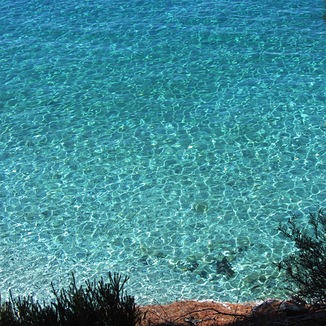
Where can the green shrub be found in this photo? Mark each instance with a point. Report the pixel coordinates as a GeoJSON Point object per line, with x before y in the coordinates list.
{"type": "Point", "coordinates": [306, 267]}
{"type": "Point", "coordinates": [94, 304]}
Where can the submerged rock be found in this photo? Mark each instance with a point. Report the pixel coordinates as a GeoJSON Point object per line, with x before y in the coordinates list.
{"type": "Point", "coordinates": [200, 207]}
{"type": "Point", "coordinates": [224, 267]}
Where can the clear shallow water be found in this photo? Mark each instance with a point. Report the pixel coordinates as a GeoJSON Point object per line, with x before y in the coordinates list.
{"type": "Point", "coordinates": [154, 139]}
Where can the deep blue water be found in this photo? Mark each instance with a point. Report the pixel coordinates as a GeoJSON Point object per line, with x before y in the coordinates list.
{"type": "Point", "coordinates": [155, 138]}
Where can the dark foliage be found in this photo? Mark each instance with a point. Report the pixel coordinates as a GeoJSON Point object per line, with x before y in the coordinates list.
{"type": "Point", "coordinates": [94, 304]}
{"type": "Point", "coordinates": [307, 266]}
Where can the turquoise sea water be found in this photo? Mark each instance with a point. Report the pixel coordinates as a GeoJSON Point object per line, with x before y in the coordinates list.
{"type": "Point", "coordinates": [154, 139]}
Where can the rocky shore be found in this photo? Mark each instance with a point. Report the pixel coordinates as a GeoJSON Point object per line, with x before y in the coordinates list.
{"type": "Point", "coordinates": [209, 313]}
{"type": "Point", "coordinates": [203, 313]}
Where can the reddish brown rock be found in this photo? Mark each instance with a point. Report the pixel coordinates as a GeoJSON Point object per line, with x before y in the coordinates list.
{"type": "Point", "coordinates": [195, 313]}
{"type": "Point", "coordinates": [208, 313]}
